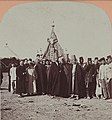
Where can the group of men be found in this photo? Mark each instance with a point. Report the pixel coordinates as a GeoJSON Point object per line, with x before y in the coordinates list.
{"type": "Point", "coordinates": [66, 78]}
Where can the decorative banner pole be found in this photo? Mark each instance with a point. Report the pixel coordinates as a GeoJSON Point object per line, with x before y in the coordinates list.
{"type": "Point", "coordinates": [54, 50]}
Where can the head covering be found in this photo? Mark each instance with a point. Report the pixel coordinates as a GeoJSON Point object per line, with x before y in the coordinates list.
{"type": "Point", "coordinates": [81, 58]}
{"type": "Point", "coordinates": [102, 59]}
{"type": "Point", "coordinates": [96, 58]}
{"type": "Point", "coordinates": [89, 59]}
{"type": "Point", "coordinates": [109, 56]}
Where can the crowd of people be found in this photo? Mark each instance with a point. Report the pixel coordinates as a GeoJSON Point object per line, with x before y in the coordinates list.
{"type": "Point", "coordinates": [70, 78]}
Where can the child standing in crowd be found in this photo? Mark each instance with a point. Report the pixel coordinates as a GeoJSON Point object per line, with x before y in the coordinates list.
{"type": "Point", "coordinates": [13, 78]}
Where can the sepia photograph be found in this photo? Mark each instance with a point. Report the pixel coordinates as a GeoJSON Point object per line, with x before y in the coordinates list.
{"type": "Point", "coordinates": [55, 60]}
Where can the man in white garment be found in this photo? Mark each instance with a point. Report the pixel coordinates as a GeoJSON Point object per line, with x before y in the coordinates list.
{"type": "Point", "coordinates": [104, 79]}
{"type": "Point", "coordinates": [109, 74]}
{"type": "Point", "coordinates": [73, 61]}
{"type": "Point", "coordinates": [13, 78]}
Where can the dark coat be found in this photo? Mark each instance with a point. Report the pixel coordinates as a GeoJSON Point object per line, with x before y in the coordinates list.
{"type": "Point", "coordinates": [79, 84]}
{"type": "Point", "coordinates": [58, 80]}
{"type": "Point", "coordinates": [20, 82]}
{"type": "Point", "coordinates": [41, 81]}
{"type": "Point", "coordinates": [1, 78]}
{"type": "Point", "coordinates": [68, 73]}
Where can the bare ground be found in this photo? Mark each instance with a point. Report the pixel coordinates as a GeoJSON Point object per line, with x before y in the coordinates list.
{"type": "Point", "coordinates": [45, 108]}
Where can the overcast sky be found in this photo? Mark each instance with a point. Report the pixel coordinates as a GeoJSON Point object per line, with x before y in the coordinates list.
{"type": "Point", "coordinates": [84, 29]}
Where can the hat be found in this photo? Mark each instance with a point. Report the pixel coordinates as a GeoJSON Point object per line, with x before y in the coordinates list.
{"type": "Point", "coordinates": [81, 58]}
{"type": "Point", "coordinates": [89, 59]}
{"type": "Point", "coordinates": [109, 56]}
{"type": "Point", "coordinates": [102, 59]}
{"type": "Point", "coordinates": [96, 58]}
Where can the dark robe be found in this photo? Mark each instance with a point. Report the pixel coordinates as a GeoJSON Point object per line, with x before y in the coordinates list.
{"type": "Point", "coordinates": [63, 82]}
{"type": "Point", "coordinates": [9, 86]}
{"type": "Point", "coordinates": [48, 82]}
{"type": "Point", "coordinates": [58, 80]}
{"type": "Point", "coordinates": [68, 73]}
{"type": "Point", "coordinates": [89, 79]}
{"type": "Point", "coordinates": [110, 88]}
{"type": "Point", "coordinates": [26, 81]}
{"type": "Point", "coordinates": [53, 85]}
{"type": "Point", "coordinates": [82, 82]}
{"type": "Point", "coordinates": [79, 86]}
{"type": "Point", "coordinates": [20, 82]}
{"type": "Point", "coordinates": [44, 79]}
{"type": "Point", "coordinates": [1, 78]}
{"type": "Point", "coordinates": [41, 81]}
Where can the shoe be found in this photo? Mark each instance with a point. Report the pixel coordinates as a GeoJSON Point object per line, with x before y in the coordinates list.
{"type": "Point", "coordinates": [52, 97]}
{"type": "Point", "coordinates": [20, 96]}
{"type": "Point", "coordinates": [72, 96]}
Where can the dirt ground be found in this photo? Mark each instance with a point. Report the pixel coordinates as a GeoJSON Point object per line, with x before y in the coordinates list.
{"type": "Point", "coordinates": [45, 108]}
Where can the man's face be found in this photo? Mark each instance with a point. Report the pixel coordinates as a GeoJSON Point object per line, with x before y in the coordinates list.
{"type": "Point", "coordinates": [12, 65]}
{"type": "Point", "coordinates": [26, 62]}
{"type": "Point", "coordinates": [103, 62]}
{"type": "Point", "coordinates": [95, 61]}
{"type": "Point", "coordinates": [37, 60]}
{"type": "Point", "coordinates": [81, 61]}
{"type": "Point", "coordinates": [109, 60]}
{"type": "Point", "coordinates": [43, 62]}
{"type": "Point", "coordinates": [21, 63]}
{"type": "Point", "coordinates": [89, 62]}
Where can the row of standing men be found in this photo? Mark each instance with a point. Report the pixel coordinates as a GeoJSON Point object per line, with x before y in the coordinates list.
{"type": "Point", "coordinates": [63, 78]}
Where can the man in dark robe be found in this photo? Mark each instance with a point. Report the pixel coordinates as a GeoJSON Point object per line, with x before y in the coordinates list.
{"type": "Point", "coordinates": [26, 65]}
{"type": "Point", "coordinates": [20, 83]}
{"type": "Point", "coordinates": [58, 79]}
{"type": "Point", "coordinates": [41, 80]}
{"type": "Point", "coordinates": [48, 66]}
{"type": "Point", "coordinates": [68, 72]}
{"type": "Point", "coordinates": [95, 75]}
{"type": "Point", "coordinates": [82, 83]}
{"type": "Point", "coordinates": [77, 90]}
{"type": "Point", "coordinates": [44, 83]}
{"type": "Point", "coordinates": [9, 86]}
{"type": "Point", "coordinates": [1, 78]}
{"type": "Point", "coordinates": [89, 69]}
{"type": "Point", "coordinates": [54, 81]}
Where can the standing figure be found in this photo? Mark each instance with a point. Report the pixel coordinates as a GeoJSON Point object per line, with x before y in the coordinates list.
{"type": "Point", "coordinates": [76, 79]}
{"type": "Point", "coordinates": [83, 88]}
{"type": "Point", "coordinates": [63, 79]}
{"type": "Point", "coordinates": [1, 74]}
{"type": "Point", "coordinates": [47, 73]}
{"type": "Point", "coordinates": [41, 80]}
{"type": "Point", "coordinates": [89, 69]}
{"type": "Point", "coordinates": [20, 82]}
{"type": "Point", "coordinates": [54, 81]}
{"type": "Point", "coordinates": [104, 80]}
{"type": "Point", "coordinates": [26, 64]}
{"type": "Point", "coordinates": [95, 75]}
{"type": "Point", "coordinates": [109, 74]}
{"type": "Point", "coordinates": [13, 78]}
{"type": "Point", "coordinates": [58, 79]}
{"type": "Point", "coordinates": [31, 77]}
{"type": "Point", "coordinates": [68, 72]}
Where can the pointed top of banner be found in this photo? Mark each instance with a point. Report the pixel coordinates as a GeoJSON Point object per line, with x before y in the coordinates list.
{"type": "Point", "coordinates": [53, 35]}
{"type": "Point", "coordinates": [53, 25]}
